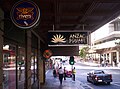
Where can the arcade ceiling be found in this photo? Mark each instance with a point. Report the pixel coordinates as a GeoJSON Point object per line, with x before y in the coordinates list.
{"type": "Point", "coordinates": [70, 15]}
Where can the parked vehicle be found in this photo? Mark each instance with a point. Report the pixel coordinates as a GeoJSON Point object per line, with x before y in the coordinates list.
{"type": "Point", "coordinates": [97, 76]}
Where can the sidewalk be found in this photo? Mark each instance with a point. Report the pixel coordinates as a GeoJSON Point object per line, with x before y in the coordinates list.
{"type": "Point", "coordinates": [53, 83]}
{"type": "Point", "coordinates": [93, 64]}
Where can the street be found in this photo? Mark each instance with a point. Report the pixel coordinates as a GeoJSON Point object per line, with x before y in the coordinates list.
{"type": "Point", "coordinates": [81, 76]}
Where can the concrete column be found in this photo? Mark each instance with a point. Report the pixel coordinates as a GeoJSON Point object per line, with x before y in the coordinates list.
{"type": "Point", "coordinates": [42, 72]}
{"type": "Point", "coordinates": [89, 38]}
{"type": "Point", "coordinates": [118, 56]}
{"type": "Point", "coordinates": [28, 60]}
{"type": "Point", "coordinates": [39, 58]}
{"type": "Point", "coordinates": [1, 59]}
{"type": "Point", "coordinates": [1, 47]}
{"type": "Point", "coordinates": [110, 58]}
{"type": "Point", "coordinates": [41, 69]}
{"type": "Point", "coordinates": [98, 58]}
{"type": "Point", "coordinates": [106, 56]}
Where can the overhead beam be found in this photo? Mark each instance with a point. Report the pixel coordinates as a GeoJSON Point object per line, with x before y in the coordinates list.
{"type": "Point", "coordinates": [66, 1]}
{"type": "Point", "coordinates": [81, 1]}
{"type": "Point", "coordinates": [88, 11]}
{"type": "Point", "coordinates": [98, 13]}
{"type": "Point", "coordinates": [70, 22]}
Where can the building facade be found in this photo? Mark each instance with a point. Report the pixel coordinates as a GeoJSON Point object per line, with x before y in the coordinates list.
{"type": "Point", "coordinates": [108, 46]}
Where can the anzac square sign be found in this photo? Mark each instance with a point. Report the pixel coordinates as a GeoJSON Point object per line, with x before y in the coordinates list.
{"type": "Point", "coordinates": [25, 14]}
{"type": "Point", "coordinates": [67, 38]}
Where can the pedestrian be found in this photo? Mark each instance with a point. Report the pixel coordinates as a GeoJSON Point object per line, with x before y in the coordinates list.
{"type": "Point", "coordinates": [19, 72]}
{"type": "Point", "coordinates": [106, 63]}
{"type": "Point", "coordinates": [102, 63]}
{"type": "Point", "coordinates": [73, 73]}
{"type": "Point", "coordinates": [60, 72]}
{"type": "Point", "coordinates": [115, 61]}
{"type": "Point", "coordinates": [64, 73]}
{"type": "Point", "coordinates": [54, 73]}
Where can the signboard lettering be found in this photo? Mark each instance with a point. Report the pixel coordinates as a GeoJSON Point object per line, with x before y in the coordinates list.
{"type": "Point", "coordinates": [77, 38]}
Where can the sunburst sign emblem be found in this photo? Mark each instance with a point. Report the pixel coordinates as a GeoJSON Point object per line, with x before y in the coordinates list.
{"type": "Point", "coordinates": [58, 38]}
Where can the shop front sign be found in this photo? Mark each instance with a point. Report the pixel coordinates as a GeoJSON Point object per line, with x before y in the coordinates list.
{"type": "Point", "coordinates": [67, 38]}
{"type": "Point", "coordinates": [25, 14]}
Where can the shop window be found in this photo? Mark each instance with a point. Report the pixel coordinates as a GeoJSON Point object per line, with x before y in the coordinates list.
{"type": "Point", "coordinates": [13, 67]}
{"type": "Point", "coordinates": [21, 68]}
{"type": "Point", "coordinates": [34, 66]}
{"type": "Point", "coordinates": [9, 67]}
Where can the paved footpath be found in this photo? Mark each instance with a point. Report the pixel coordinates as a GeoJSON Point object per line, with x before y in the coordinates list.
{"type": "Point", "coordinates": [53, 83]}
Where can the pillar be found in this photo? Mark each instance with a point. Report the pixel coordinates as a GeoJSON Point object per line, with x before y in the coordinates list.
{"type": "Point", "coordinates": [1, 48]}
{"type": "Point", "coordinates": [42, 71]}
{"type": "Point", "coordinates": [39, 60]}
{"type": "Point", "coordinates": [28, 60]}
{"type": "Point", "coordinates": [110, 58]}
{"type": "Point", "coordinates": [41, 68]}
{"type": "Point", "coordinates": [1, 59]}
{"type": "Point", "coordinates": [117, 56]}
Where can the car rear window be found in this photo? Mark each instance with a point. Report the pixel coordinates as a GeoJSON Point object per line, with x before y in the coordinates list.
{"type": "Point", "coordinates": [98, 72]}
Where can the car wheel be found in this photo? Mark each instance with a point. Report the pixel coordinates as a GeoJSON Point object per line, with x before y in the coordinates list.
{"type": "Point", "coordinates": [88, 79]}
{"type": "Point", "coordinates": [108, 83]}
{"type": "Point", "coordinates": [94, 83]}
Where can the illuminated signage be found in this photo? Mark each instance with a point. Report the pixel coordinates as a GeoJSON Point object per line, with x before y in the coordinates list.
{"type": "Point", "coordinates": [67, 38]}
{"type": "Point", "coordinates": [25, 14]}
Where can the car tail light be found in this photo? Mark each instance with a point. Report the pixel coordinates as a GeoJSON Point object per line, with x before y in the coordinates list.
{"type": "Point", "coordinates": [96, 77]}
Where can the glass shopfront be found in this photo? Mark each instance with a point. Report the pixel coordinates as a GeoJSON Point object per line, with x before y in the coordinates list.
{"type": "Point", "coordinates": [21, 68]}
{"type": "Point", "coordinates": [13, 67]}
{"type": "Point", "coordinates": [34, 66]}
{"type": "Point", "coordinates": [9, 66]}
{"type": "Point", "coordinates": [15, 71]}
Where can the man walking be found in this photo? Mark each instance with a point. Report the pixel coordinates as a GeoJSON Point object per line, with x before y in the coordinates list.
{"type": "Point", "coordinates": [61, 72]}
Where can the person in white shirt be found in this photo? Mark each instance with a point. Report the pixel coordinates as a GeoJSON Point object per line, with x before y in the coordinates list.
{"type": "Point", "coordinates": [61, 72]}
